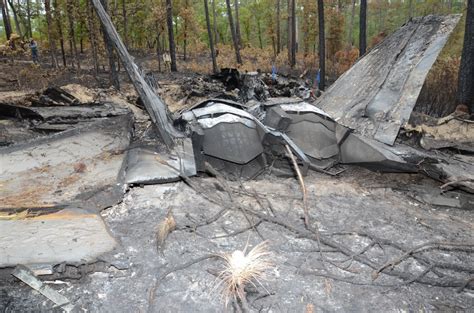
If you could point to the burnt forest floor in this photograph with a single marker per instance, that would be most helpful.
(366, 212)
(360, 221)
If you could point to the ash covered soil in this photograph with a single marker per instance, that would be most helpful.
(366, 212)
(366, 220)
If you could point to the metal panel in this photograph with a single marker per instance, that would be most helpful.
(72, 236)
(377, 95)
(76, 168)
(235, 142)
(145, 166)
(315, 139)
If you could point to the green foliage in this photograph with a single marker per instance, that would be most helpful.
(144, 20)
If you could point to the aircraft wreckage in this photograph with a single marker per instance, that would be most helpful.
(53, 195)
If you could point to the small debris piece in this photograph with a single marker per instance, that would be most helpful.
(83, 94)
(56, 96)
(309, 308)
(80, 167)
(147, 166)
(164, 229)
(24, 274)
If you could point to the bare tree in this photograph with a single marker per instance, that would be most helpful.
(288, 29)
(363, 28)
(214, 19)
(92, 36)
(6, 19)
(15, 18)
(125, 22)
(158, 44)
(109, 47)
(185, 41)
(278, 34)
(232, 31)
(450, 5)
(292, 33)
(466, 69)
(410, 8)
(237, 24)
(209, 33)
(57, 17)
(72, 34)
(169, 20)
(28, 18)
(322, 46)
(52, 41)
(351, 25)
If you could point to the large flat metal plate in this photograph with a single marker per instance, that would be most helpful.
(377, 95)
(145, 166)
(372, 154)
(314, 139)
(315, 135)
(71, 236)
(76, 168)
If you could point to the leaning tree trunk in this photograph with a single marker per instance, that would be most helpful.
(15, 18)
(322, 46)
(237, 24)
(6, 19)
(232, 31)
(153, 104)
(57, 17)
(466, 70)
(52, 41)
(209, 34)
(169, 21)
(7, 14)
(72, 34)
(363, 28)
(109, 47)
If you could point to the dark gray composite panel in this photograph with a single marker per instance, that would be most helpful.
(377, 95)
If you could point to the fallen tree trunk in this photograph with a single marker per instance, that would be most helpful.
(154, 105)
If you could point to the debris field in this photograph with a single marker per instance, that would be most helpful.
(240, 191)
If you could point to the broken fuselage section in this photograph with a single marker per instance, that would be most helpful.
(356, 121)
(226, 136)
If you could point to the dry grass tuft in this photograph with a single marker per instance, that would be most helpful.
(242, 269)
(309, 308)
(164, 229)
(80, 167)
